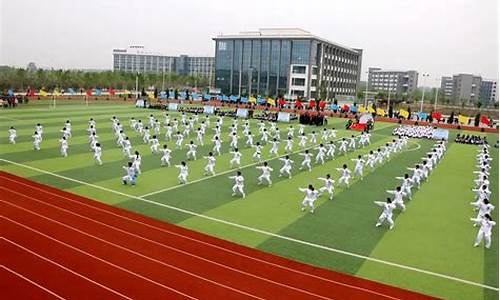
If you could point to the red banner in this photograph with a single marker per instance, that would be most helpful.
(485, 120)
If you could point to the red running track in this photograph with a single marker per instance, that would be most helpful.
(57, 245)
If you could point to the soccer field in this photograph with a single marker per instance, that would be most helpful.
(429, 250)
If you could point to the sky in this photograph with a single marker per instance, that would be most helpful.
(438, 37)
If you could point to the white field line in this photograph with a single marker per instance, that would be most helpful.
(263, 232)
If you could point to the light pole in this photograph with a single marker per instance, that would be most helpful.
(436, 96)
(137, 85)
(366, 92)
(250, 75)
(388, 97)
(423, 91)
(163, 78)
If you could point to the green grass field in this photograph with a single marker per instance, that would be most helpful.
(429, 251)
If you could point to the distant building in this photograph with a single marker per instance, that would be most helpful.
(489, 92)
(285, 62)
(31, 67)
(466, 88)
(395, 81)
(447, 86)
(137, 59)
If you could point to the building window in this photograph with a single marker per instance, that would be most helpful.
(299, 69)
(298, 81)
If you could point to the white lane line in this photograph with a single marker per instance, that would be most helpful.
(64, 268)
(198, 241)
(283, 237)
(93, 256)
(138, 254)
(191, 254)
(32, 282)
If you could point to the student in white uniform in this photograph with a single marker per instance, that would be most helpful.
(333, 133)
(236, 160)
(313, 137)
(166, 155)
(36, 141)
(183, 172)
(345, 176)
(264, 136)
(330, 150)
(234, 140)
(320, 156)
(199, 137)
(386, 214)
(257, 155)
(210, 167)
(358, 168)
(398, 197)
(12, 135)
(217, 145)
(324, 135)
(131, 176)
(64, 146)
(266, 174)
(249, 142)
(307, 160)
(127, 147)
(68, 128)
(406, 185)
(352, 142)
(309, 199)
(155, 144)
(417, 173)
(98, 154)
(343, 146)
(302, 140)
(238, 186)
(484, 232)
(484, 208)
(289, 145)
(191, 153)
(39, 129)
(137, 162)
(371, 158)
(274, 148)
(179, 138)
(287, 166)
(327, 187)
(168, 132)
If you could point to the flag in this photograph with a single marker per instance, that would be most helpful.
(89, 92)
(463, 120)
(362, 109)
(437, 115)
(271, 101)
(380, 112)
(422, 116)
(485, 120)
(371, 110)
(10, 92)
(404, 113)
(71, 91)
(42, 93)
(56, 92)
(233, 98)
(354, 109)
(127, 92)
(151, 95)
(252, 100)
(97, 92)
(111, 91)
(244, 100)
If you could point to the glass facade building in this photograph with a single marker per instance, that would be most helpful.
(285, 62)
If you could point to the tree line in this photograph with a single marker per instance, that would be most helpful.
(20, 79)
